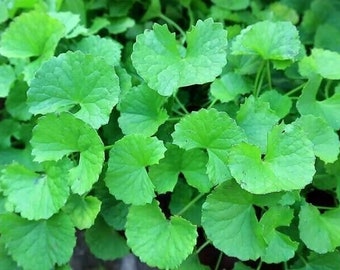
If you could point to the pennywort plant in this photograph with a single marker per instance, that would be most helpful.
(152, 132)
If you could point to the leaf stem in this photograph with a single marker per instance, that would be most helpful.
(296, 89)
(212, 103)
(259, 266)
(302, 259)
(191, 203)
(108, 147)
(327, 88)
(269, 77)
(173, 23)
(203, 246)
(259, 79)
(218, 261)
(181, 105)
(174, 119)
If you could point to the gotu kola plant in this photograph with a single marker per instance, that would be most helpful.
(102, 138)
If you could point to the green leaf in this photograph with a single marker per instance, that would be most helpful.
(320, 232)
(141, 111)
(232, 4)
(42, 242)
(287, 165)
(230, 222)
(7, 77)
(229, 86)
(108, 49)
(120, 25)
(283, 44)
(18, 40)
(328, 261)
(325, 140)
(280, 104)
(327, 109)
(56, 136)
(257, 119)
(82, 210)
(192, 262)
(279, 246)
(191, 163)
(71, 23)
(75, 82)
(35, 195)
(6, 261)
(211, 130)
(157, 241)
(104, 242)
(126, 176)
(165, 65)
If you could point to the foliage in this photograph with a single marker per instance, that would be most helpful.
(152, 124)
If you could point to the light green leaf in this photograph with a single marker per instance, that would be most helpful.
(232, 4)
(7, 77)
(328, 261)
(6, 261)
(191, 163)
(283, 44)
(165, 65)
(320, 232)
(42, 243)
(280, 104)
(83, 84)
(35, 195)
(157, 241)
(71, 23)
(126, 176)
(279, 246)
(256, 118)
(141, 111)
(229, 86)
(104, 242)
(82, 210)
(325, 140)
(327, 109)
(287, 165)
(211, 130)
(108, 49)
(56, 136)
(120, 25)
(19, 41)
(192, 262)
(230, 222)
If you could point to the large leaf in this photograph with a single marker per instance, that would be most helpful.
(82, 84)
(126, 176)
(42, 243)
(211, 130)
(56, 136)
(166, 66)
(157, 241)
(288, 163)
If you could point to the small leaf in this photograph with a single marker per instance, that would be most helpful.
(126, 176)
(192, 262)
(7, 77)
(82, 210)
(56, 136)
(328, 261)
(211, 130)
(75, 82)
(283, 44)
(280, 104)
(41, 242)
(157, 241)
(287, 165)
(141, 111)
(229, 220)
(104, 242)
(166, 66)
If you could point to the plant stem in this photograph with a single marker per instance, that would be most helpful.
(181, 105)
(269, 77)
(191, 203)
(302, 259)
(259, 79)
(296, 89)
(218, 261)
(173, 23)
(108, 147)
(259, 266)
(327, 88)
(174, 119)
(212, 103)
(203, 246)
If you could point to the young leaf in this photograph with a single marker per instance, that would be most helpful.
(35, 195)
(42, 243)
(19, 41)
(280, 104)
(287, 165)
(157, 241)
(126, 176)
(166, 66)
(325, 140)
(191, 163)
(320, 232)
(283, 44)
(82, 210)
(229, 220)
(257, 119)
(211, 130)
(83, 84)
(141, 111)
(56, 136)
(104, 242)
(7, 77)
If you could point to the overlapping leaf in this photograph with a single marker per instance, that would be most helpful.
(7, 77)
(56, 136)
(166, 65)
